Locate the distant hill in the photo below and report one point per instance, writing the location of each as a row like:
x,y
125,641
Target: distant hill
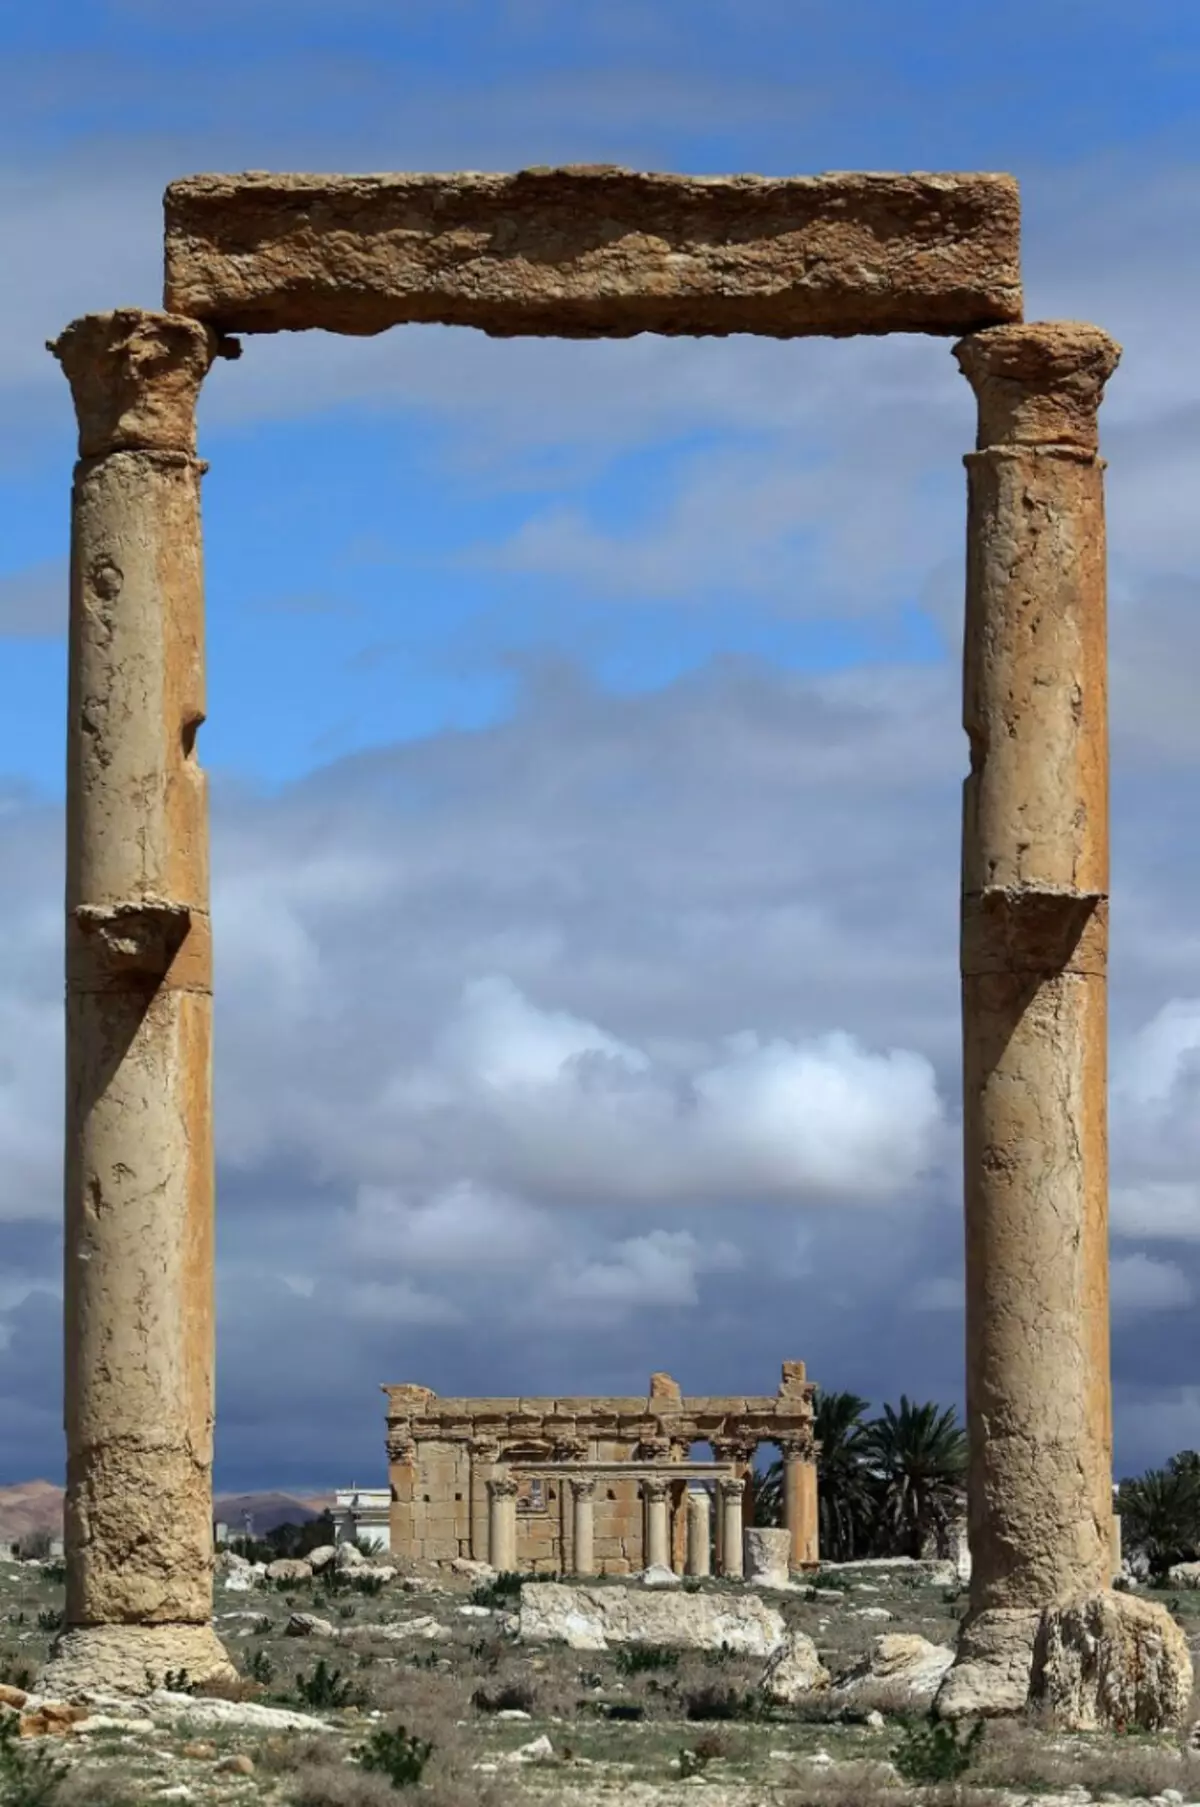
x,y
38,1505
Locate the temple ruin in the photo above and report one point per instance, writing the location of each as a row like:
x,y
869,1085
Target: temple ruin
x,y
591,252
596,1486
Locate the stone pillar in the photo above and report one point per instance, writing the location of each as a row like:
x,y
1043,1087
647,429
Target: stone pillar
x,y
658,1524
1034,945
402,1485
699,1534
583,1526
800,1511
732,1490
138,1303
502,1524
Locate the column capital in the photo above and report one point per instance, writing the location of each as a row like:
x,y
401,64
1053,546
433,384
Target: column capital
x,y
734,1449
732,1486
655,1489
1038,385
502,1487
799,1446
583,1486
135,376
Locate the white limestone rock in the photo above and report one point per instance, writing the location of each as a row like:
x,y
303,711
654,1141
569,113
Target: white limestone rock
x,y
658,1576
592,1618
793,1671
1184,1574
321,1557
289,1569
909,1667
767,1555
349,1556
203,1713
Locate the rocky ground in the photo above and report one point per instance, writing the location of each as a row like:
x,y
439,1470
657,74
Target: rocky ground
x,y
660,1695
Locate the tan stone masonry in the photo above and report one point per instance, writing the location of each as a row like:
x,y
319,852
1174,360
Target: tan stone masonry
x,y
444,1455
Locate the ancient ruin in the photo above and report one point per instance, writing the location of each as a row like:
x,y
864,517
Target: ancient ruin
x,y
595,1486
600,252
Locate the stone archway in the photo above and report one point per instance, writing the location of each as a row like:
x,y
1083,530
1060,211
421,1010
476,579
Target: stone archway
x,y
582,252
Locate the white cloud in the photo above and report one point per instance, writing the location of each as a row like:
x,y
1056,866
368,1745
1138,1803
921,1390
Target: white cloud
x,y
566,1110
1138,1283
940,1292
1158,1210
660,1268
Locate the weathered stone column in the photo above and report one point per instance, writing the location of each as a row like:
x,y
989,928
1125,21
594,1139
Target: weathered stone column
x,y
800,1511
138,1156
732,1489
658,1524
699,1535
1034,945
583,1526
502,1523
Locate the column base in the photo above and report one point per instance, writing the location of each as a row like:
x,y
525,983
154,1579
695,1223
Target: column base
x,y
132,1659
1105,1660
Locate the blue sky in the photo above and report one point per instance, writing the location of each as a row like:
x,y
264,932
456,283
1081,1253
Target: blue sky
x,y
576,708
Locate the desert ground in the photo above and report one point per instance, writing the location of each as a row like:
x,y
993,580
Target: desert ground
x,y
331,1665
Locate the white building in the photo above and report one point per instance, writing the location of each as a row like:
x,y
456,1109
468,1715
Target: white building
x,y
363,1512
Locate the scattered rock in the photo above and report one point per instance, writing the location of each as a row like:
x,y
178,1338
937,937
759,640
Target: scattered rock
x,y
768,1554
203,1753
286,1569
1112,1659
794,1670
240,1764
1184,1574
349,1556
910,1666
240,1581
592,1618
658,1576
871,1612
12,1697
467,1565
201,1712
992,1670
475,1612
424,1627
50,1719
539,1750
308,1625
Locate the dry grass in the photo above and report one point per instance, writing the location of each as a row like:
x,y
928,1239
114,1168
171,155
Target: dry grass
x,y
1017,1755
340,1785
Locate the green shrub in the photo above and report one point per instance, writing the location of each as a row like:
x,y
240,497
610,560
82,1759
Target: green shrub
x,y
717,1701
260,1668
399,1755
510,1697
50,1619
931,1751
30,1775
326,1687
642,1659
502,1591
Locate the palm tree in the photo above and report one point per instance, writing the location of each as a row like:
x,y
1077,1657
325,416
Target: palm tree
x,y
1160,1513
917,1458
843,1491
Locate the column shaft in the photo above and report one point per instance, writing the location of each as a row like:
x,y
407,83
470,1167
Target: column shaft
x,y
138,1164
1034,948
800,1509
658,1525
699,1539
502,1524
732,1490
583,1533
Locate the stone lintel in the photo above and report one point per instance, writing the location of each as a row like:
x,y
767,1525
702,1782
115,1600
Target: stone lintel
x,y
596,251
